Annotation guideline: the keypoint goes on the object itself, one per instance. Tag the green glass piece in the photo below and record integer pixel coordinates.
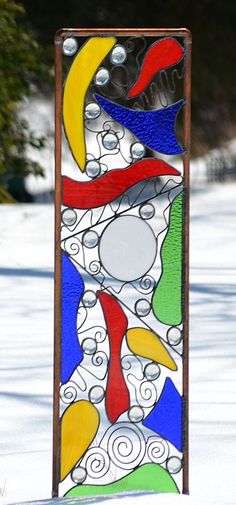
(149, 477)
(166, 301)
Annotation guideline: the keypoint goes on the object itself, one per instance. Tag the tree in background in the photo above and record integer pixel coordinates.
(20, 67)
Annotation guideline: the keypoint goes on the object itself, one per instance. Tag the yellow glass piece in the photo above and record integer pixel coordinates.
(80, 75)
(147, 344)
(79, 426)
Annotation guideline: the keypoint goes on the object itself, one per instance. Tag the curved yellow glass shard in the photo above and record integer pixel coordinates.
(147, 344)
(80, 75)
(79, 426)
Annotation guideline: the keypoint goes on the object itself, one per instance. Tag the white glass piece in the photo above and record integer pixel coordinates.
(70, 46)
(174, 464)
(118, 55)
(137, 150)
(152, 371)
(174, 335)
(89, 346)
(93, 168)
(79, 475)
(92, 110)
(96, 394)
(90, 239)
(142, 307)
(127, 248)
(136, 414)
(147, 211)
(110, 141)
(102, 77)
(69, 217)
(89, 299)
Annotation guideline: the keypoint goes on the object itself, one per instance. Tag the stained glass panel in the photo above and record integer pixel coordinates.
(121, 283)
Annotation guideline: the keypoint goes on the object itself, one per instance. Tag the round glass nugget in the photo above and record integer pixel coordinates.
(174, 464)
(96, 394)
(89, 346)
(89, 299)
(110, 141)
(92, 110)
(70, 46)
(136, 414)
(174, 335)
(147, 211)
(152, 371)
(90, 239)
(137, 150)
(102, 77)
(118, 55)
(79, 475)
(93, 168)
(69, 217)
(142, 307)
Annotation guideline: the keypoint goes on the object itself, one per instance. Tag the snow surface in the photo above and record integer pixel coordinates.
(26, 297)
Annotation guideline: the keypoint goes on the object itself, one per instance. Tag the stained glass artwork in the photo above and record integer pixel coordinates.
(121, 270)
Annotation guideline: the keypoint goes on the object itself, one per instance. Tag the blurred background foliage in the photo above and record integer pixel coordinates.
(25, 65)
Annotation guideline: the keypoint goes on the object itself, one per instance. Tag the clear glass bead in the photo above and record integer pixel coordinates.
(142, 307)
(69, 217)
(174, 335)
(89, 346)
(118, 55)
(92, 110)
(93, 168)
(70, 46)
(137, 150)
(90, 239)
(174, 464)
(89, 299)
(152, 371)
(79, 475)
(147, 211)
(110, 141)
(96, 394)
(136, 414)
(102, 77)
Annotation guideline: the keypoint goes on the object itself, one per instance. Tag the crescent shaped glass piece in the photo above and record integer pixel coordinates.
(80, 75)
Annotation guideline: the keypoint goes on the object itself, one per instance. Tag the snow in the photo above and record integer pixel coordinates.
(26, 298)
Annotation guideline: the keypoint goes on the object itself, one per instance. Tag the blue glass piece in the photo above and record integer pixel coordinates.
(156, 129)
(72, 291)
(166, 417)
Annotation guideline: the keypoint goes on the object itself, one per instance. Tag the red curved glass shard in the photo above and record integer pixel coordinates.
(117, 393)
(85, 195)
(162, 54)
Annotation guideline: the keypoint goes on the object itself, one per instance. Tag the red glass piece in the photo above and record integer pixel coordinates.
(162, 54)
(85, 195)
(117, 394)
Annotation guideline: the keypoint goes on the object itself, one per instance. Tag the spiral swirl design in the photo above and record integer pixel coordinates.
(157, 450)
(69, 392)
(96, 462)
(125, 445)
(72, 246)
(147, 395)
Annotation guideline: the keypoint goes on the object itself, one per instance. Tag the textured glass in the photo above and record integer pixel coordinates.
(122, 239)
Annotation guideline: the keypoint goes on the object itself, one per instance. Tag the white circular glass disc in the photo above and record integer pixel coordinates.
(127, 248)
(118, 55)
